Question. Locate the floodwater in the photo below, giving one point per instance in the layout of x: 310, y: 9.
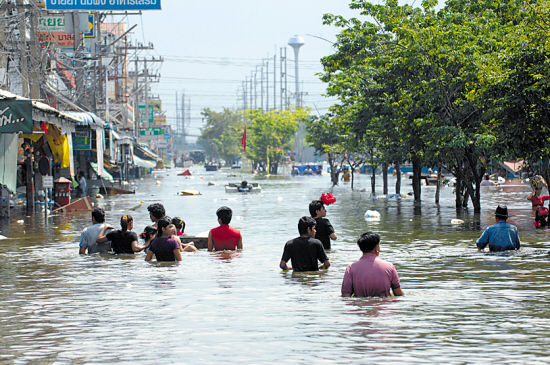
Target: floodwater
x: 460, y: 307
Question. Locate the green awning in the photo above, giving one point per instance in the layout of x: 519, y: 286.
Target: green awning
x: 15, y: 116
x: 105, y: 175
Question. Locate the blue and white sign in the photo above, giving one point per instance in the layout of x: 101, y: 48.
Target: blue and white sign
x: 103, y: 5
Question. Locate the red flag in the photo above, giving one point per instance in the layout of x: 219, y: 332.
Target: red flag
x: 243, y: 141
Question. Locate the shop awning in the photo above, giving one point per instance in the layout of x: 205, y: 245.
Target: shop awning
x: 40, y: 112
x: 141, y: 162
x: 145, y: 153
x: 104, y: 174
x: 87, y: 119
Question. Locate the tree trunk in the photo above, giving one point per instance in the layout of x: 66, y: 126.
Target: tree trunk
x: 333, y: 170
x: 373, y: 180
x: 273, y: 168
x: 398, y: 178
x: 467, y: 194
x: 438, y: 185
x: 385, y: 178
x: 417, y: 171
x: 458, y: 191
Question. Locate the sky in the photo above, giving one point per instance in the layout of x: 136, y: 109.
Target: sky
x: 210, y: 47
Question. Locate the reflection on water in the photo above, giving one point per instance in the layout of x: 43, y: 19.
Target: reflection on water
x: 59, y: 307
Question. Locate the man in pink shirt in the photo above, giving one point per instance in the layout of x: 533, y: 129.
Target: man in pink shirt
x: 370, y: 276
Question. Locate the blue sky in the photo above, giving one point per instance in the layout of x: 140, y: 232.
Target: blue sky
x: 210, y: 47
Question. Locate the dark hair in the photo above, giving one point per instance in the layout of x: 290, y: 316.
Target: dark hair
x: 98, y: 214
x: 162, y: 224
x: 125, y: 220
x: 224, y: 213
x: 148, y: 232
x: 314, y: 206
x: 157, y: 210
x: 368, y: 241
x: 304, y: 223
x: 179, y: 223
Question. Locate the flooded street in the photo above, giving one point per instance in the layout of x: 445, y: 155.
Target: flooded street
x: 460, y: 306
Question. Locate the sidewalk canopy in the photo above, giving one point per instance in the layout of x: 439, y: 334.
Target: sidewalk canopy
x: 141, y: 162
x: 145, y: 153
x: 104, y: 174
x: 87, y: 119
x: 40, y: 112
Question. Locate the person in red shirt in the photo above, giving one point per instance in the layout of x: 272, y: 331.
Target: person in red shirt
x: 537, y: 201
x: 224, y: 237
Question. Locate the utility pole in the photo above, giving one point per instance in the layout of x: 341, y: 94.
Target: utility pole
x: 250, y: 94
x: 36, y: 64
x: 255, y: 82
x: 267, y: 84
x: 275, y: 81
x: 137, y: 113
x: 183, y: 117
x: 262, y: 86
x: 244, y: 99
x: 284, y: 99
x: 21, y: 14
x: 3, y: 55
x: 178, y: 131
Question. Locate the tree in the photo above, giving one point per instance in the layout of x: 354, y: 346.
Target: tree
x: 221, y: 135
x: 271, y: 133
x: 324, y: 134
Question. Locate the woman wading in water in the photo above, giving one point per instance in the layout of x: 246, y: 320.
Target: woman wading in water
x: 164, y: 247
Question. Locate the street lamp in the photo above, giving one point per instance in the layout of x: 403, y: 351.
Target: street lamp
x: 296, y: 42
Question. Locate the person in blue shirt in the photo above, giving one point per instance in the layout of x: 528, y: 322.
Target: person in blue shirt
x: 501, y: 236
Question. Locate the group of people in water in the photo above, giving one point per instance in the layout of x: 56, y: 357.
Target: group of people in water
x: 369, y: 276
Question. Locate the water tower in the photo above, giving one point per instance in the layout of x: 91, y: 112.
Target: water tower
x: 296, y: 42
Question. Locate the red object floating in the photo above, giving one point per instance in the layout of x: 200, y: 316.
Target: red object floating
x: 328, y: 199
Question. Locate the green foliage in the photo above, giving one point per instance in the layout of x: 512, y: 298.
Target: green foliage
x: 416, y: 83
x: 222, y: 133
x: 271, y: 132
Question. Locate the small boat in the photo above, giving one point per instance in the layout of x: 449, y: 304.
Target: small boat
x: 187, y: 192
x: 243, y: 187
x: 211, y: 167
x: 82, y: 204
x: 113, y: 190
x: 200, y: 241
x: 185, y: 172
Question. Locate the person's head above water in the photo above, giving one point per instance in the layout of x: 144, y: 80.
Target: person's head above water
x: 224, y: 214
x: 156, y: 211
x: 126, y: 221
x: 165, y: 227
x: 315, y: 206
x: 368, y: 241
x: 179, y: 223
x: 501, y: 213
x: 304, y: 224
x: 98, y: 215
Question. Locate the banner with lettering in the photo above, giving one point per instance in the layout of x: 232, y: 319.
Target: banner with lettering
x: 103, y: 4
x: 15, y: 116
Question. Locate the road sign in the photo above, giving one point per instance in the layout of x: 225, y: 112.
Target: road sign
x: 47, y: 182
x: 102, y: 5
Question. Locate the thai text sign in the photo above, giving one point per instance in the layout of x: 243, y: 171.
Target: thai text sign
x: 103, y: 4
x: 59, y: 39
x: 51, y: 23
x: 82, y: 139
x: 152, y: 131
x: 15, y: 116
